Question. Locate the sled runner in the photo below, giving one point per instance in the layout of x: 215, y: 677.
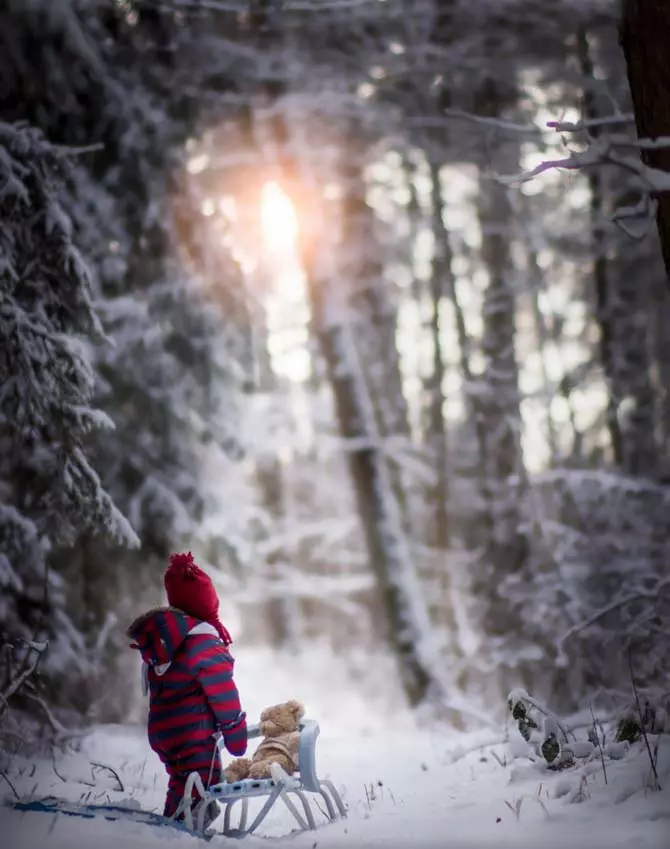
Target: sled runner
x: 279, y: 786
x: 112, y: 813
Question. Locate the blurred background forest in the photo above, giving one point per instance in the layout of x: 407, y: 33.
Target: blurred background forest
x: 264, y: 296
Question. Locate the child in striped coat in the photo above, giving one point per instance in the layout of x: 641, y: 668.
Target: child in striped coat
x: 188, y: 672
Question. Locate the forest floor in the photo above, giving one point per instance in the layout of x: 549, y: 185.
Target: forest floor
x: 404, y: 786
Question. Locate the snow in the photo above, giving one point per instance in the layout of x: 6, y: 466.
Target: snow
x: 405, y: 784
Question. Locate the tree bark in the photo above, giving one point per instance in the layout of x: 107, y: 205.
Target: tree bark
x: 621, y: 316
x: 437, y: 431
x: 376, y: 314
x: 605, y: 296
x: 644, y: 29
x: 407, y: 625
x: 282, y: 614
x: 504, y: 543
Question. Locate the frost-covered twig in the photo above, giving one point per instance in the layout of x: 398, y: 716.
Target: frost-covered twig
x: 623, y: 601
x: 110, y: 621
x: 641, y: 716
x: 110, y: 769
x: 53, y: 764
x: 4, y: 775
x: 31, y: 693
x: 66, y: 150
x: 608, y: 121
x: 600, y: 747
x: 495, y: 123
x: 601, y: 151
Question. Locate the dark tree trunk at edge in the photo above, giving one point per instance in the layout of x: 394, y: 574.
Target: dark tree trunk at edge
x: 644, y: 35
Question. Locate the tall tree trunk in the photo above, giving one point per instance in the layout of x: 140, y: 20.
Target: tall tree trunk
x: 371, y: 298
x: 541, y: 326
x: 505, y: 546
x: 437, y: 431
x: 542, y: 338
x: 441, y: 281
x: 408, y: 628
x: 644, y: 29
x: 622, y: 319
x: 283, y: 614
x: 372, y: 305
x: 659, y: 320
x: 605, y: 296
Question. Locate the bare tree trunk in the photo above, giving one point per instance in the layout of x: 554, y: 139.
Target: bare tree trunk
x: 441, y: 281
x: 371, y: 298
x: 605, y: 295
x: 542, y: 336
x: 505, y: 546
x: 437, y: 431
x: 542, y: 327
x: 659, y: 319
x: 623, y: 323
x: 645, y: 25
x: 376, y: 320
x: 282, y: 616
x: 407, y: 627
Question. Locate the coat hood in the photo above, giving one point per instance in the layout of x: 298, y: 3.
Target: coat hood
x: 159, y: 633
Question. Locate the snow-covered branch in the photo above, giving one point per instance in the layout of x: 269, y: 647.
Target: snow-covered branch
x: 34, y: 652
x: 621, y: 151
x: 627, y: 598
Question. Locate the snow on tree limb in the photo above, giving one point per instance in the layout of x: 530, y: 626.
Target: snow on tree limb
x: 606, y: 149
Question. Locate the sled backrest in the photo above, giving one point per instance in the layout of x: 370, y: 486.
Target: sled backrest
x: 309, y: 732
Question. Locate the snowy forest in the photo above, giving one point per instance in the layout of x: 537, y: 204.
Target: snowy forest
x: 365, y: 303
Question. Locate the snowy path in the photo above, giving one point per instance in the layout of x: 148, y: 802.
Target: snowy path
x: 402, y: 786
x: 411, y: 799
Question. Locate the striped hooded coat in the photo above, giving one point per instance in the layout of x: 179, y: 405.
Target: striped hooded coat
x: 188, y: 672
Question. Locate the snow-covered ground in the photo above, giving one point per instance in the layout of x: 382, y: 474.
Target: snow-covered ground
x: 404, y: 786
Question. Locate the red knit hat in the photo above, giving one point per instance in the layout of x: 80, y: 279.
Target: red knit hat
x: 191, y: 590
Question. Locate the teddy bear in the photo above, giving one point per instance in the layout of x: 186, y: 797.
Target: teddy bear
x: 280, y: 727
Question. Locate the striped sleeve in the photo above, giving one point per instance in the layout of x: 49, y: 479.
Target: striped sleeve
x: 212, y: 667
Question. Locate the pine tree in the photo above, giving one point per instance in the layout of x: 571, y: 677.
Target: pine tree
x: 50, y: 493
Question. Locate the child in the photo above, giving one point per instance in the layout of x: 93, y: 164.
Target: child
x: 188, y: 672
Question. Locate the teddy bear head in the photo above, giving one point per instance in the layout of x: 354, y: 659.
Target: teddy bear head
x: 281, y: 719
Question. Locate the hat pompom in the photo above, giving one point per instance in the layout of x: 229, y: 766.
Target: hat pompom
x: 183, y: 562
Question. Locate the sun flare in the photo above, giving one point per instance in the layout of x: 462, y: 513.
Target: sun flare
x: 279, y: 223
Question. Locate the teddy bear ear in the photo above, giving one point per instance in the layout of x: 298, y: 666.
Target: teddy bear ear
x: 268, y: 714
x: 296, y: 708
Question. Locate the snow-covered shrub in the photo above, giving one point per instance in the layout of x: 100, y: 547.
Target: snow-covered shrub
x: 599, y: 581
x: 552, y: 741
